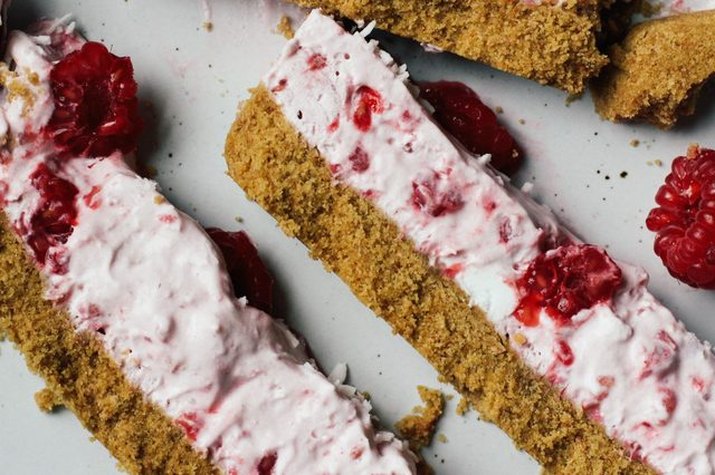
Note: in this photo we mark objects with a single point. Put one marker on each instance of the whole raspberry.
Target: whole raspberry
(459, 110)
(96, 107)
(685, 219)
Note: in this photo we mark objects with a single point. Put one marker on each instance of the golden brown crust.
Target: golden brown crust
(551, 45)
(658, 71)
(78, 372)
(275, 167)
(419, 426)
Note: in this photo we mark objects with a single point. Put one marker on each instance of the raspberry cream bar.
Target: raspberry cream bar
(552, 42)
(550, 338)
(124, 304)
(659, 70)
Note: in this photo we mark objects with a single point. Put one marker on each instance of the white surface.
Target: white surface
(194, 79)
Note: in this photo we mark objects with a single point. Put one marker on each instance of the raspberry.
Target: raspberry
(266, 464)
(460, 111)
(56, 215)
(368, 102)
(359, 160)
(191, 423)
(248, 273)
(565, 281)
(685, 219)
(96, 108)
(428, 198)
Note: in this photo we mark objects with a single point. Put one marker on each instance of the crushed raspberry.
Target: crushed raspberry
(685, 219)
(191, 423)
(460, 111)
(505, 231)
(268, 461)
(282, 84)
(56, 215)
(564, 282)
(427, 198)
(359, 160)
(317, 62)
(96, 107)
(367, 102)
(333, 126)
(564, 353)
(91, 199)
(248, 273)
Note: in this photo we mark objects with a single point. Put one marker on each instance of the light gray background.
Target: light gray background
(194, 80)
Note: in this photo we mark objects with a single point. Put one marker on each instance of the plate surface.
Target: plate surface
(191, 80)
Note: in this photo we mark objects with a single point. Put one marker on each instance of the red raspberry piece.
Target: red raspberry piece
(359, 160)
(265, 466)
(191, 423)
(367, 102)
(460, 111)
(248, 273)
(685, 219)
(56, 215)
(565, 281)
(428, 198)
(317, 62)
(96, 108)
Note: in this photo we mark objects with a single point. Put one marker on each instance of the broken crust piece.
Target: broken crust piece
(659, 70)
(553, 45)
(125, 305)
(419, 426)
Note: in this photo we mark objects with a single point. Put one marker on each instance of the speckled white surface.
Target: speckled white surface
(194, 79)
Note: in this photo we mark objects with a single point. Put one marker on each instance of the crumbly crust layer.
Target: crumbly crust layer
(658, 71)
(78, 371)
(275, 167)
(551, 45)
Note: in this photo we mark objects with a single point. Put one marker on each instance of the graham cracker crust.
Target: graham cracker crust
(278, 169)
(658, 71)
(81, 375)
(552, 45)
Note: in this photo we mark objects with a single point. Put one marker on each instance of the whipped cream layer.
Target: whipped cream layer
(147, 281)
(633, 367)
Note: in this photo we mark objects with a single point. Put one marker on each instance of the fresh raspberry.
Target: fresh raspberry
(685, 219)
(460, 111)
(248, 273)
(96, 108)
(565, 281)
(56, 215)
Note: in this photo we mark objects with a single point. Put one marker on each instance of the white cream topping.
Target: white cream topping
(666, 8)
(147, 281)
(635, 368)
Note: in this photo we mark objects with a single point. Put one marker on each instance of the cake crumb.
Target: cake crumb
(159, 199)
(658, 162)
(441, 438)
(634, 143)
(208, 26)
(418, 428)
(522, 121)
(520, 339)
(463, 407)
(285, 27)
(499, 110)
(48, 400)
